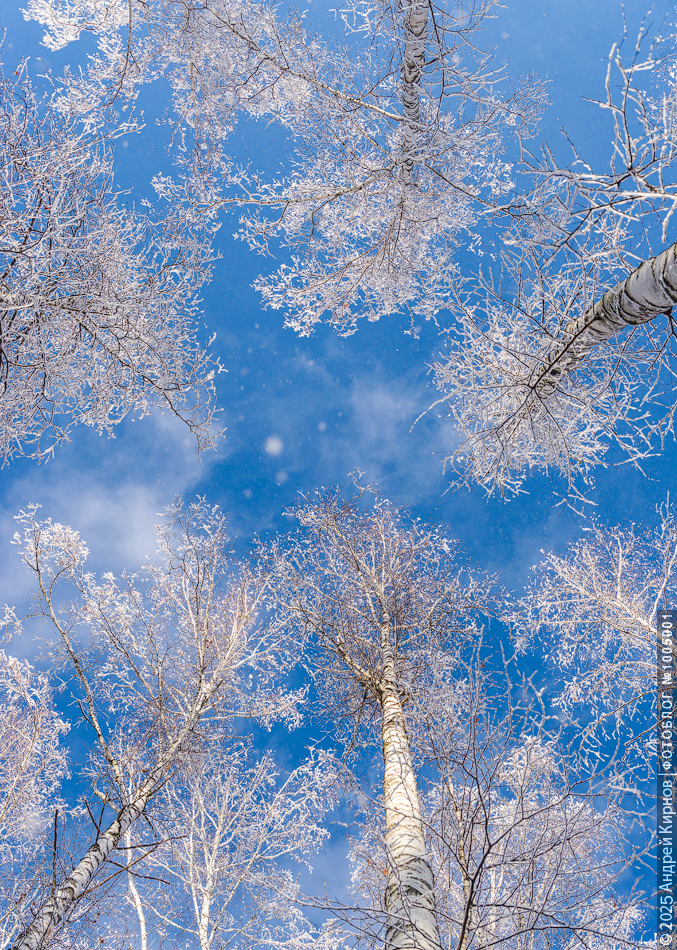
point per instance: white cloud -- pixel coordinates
(377, 438)
(111, 491)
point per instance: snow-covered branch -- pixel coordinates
(97, 302)
(161, 663)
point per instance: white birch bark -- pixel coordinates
(134, 896)
(648, 292)
(172, 645)
(415, 32)
(410, 902)
(54, 910)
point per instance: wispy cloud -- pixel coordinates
(376, 437)
(110, 491)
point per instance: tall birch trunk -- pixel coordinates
(415, 33)
(649, 291)
(410, 901)
(204, 914)
(134, 895)
(54, 910)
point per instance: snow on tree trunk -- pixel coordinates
(648, 292)
(415, 31)
(410, 902)
(56, 909)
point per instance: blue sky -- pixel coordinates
(329, 405)
(304, 413)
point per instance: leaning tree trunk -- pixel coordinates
(415, 32)
(57, 908)
(410, 901)
(65, 897)
(649, 291)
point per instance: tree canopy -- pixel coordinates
(195, 740)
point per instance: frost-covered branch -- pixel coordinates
(161, 663)
(530, 387)
(230, 824)
(32, 768)
(97, 302)
(398, 140)
(598, 605)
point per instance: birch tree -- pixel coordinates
(229, 824)
(98, 303)
(376, 594)
(398, 132)
(569, 352)
(33, 765)
(528, 844)
(160, 664)
(486, 830)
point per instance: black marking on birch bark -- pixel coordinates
(648, 292)
(410, 904)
